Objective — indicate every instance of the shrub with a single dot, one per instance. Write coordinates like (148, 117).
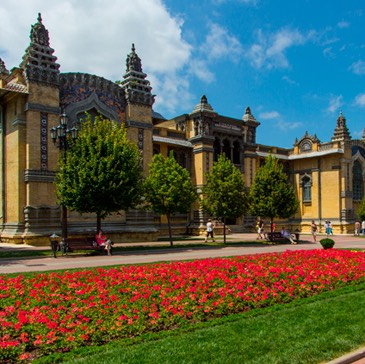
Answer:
(327, 243)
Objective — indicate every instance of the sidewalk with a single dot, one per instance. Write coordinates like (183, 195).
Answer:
(165, 253)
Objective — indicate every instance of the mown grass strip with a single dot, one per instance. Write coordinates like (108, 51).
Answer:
(307, 331)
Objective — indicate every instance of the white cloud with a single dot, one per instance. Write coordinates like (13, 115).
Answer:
(269, 50)
(279, 123)
(288, 125)
(328, 52)
(220, 44)
(358, 68)
(343, 24)
(93, 38)
(360, 100)
(334, 103)
(269, 115)
(289, 80)
(200, 69)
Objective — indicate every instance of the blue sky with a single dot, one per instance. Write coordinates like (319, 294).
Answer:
(297, 64)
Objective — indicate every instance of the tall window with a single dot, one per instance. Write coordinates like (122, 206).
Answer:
(357, 181)
(307, 189)
(236, 153)
(227, 149)
(216, 149)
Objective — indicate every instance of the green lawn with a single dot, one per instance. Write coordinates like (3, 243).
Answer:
(314, 330)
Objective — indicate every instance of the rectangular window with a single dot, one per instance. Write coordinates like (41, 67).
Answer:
(307, 189)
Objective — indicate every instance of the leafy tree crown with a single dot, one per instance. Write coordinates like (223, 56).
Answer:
(102, 172)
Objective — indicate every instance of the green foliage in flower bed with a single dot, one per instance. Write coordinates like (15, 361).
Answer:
(327, 243)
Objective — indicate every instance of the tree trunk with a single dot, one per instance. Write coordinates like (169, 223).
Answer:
(64, 222)
(170, 232)
(224, 229)
(98, 223)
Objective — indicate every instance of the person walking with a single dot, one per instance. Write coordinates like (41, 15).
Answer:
(357, 228)
(210, 231)
(314, 231)
(259, 229)
(363, 227)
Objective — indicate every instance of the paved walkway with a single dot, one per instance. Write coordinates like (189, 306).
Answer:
(17, 265)
(35, 264)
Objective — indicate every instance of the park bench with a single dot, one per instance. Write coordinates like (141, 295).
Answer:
(276, 237)
(77, 243)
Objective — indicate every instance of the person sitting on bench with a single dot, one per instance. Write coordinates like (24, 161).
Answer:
(286, 234)
(102, 240)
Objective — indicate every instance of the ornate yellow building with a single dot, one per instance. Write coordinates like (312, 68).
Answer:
(328, 177)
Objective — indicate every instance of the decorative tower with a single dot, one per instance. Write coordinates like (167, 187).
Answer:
(39, 63)
(200, 134)
(250, 126)
(3, 71)
(202, 118)
(135, 84)
(251, 164)
(31, 200)
(139, 106)
(139, 124)
(341, 132)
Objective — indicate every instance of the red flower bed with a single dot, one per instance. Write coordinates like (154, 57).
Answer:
(60, 311)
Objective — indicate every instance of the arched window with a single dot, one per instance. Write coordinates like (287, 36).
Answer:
(357, 181)
(227, 148)
(236, 153)
(156, 149)
(216, 149)
(307, 189)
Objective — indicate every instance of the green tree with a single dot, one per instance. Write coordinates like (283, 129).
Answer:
(271, 194)
(168, 188)
(102, 172)
(224, 194)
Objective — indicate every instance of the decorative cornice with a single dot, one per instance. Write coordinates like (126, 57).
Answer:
(139, 124)
(37, 175)
(18, 121)
(202, 138)
(202, 150)
(172, 141)
(30, 106)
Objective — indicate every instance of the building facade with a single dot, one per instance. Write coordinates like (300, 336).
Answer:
(328, 177)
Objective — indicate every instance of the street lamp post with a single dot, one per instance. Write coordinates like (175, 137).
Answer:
(62, 137)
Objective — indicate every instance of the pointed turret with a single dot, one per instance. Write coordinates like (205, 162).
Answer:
(137, 87)
(248, 115)
(203, 106)
(39, 63)
(341, 131)
(251, 124)
(3, 70)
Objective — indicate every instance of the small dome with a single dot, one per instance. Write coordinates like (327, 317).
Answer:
(203, 106)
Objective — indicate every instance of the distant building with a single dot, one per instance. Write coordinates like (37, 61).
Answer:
(328, 177)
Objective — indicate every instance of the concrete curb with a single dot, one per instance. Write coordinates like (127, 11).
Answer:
(350, 358)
